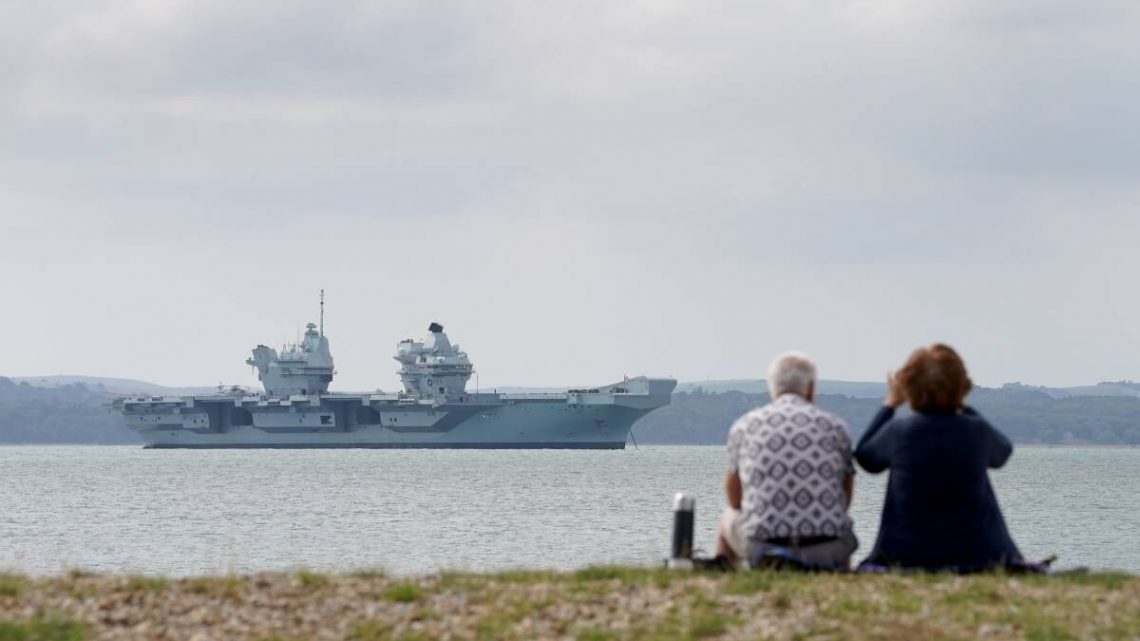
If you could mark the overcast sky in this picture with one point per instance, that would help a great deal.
(577, 190)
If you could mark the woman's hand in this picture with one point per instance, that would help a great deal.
(895, 394)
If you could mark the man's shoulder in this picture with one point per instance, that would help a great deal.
(829, 420)
(753, 416)
(830, 417)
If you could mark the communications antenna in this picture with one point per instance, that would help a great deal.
(322, 313)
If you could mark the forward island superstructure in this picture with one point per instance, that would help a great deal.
(435, 410)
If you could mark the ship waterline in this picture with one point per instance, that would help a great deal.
(296, 410)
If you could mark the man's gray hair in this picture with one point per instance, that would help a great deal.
(791, 373)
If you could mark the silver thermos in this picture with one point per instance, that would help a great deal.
(684, 515)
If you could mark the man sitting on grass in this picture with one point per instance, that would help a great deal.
(790, 476)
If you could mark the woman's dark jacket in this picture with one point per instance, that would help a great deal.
(940, 511)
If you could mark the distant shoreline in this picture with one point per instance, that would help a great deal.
(79, 414)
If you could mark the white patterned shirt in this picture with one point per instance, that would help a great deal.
(792, 458)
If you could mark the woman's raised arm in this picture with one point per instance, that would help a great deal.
(877, 443)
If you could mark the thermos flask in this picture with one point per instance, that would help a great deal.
(684, 511)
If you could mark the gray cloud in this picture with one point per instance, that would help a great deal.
(578, 191)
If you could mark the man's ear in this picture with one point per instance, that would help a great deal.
(811, 392)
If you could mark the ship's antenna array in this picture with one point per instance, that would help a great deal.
(322, 313)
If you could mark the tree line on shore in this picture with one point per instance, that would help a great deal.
(78, 413)
(74, 413)
(1026, 415)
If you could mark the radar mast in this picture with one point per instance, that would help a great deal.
(322, 313)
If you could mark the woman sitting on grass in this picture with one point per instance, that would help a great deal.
(940, 511)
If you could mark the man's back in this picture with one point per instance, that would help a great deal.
(792, 458)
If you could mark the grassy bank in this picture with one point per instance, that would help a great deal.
(593, 604)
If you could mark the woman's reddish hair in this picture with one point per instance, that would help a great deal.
(935, 380)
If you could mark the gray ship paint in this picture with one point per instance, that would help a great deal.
(296, 410)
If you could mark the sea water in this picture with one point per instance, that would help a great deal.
(192, 512)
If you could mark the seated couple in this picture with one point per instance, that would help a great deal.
(790, 474)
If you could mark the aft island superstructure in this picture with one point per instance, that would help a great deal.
(434, 410)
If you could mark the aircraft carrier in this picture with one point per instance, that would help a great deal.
(435, 409)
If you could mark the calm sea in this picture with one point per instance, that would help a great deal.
(125, 509)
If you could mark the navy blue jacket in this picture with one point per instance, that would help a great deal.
(940, 511)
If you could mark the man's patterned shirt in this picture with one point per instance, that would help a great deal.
(791, 457)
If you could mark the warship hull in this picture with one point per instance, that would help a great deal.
(578, 419)
(435, 410)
